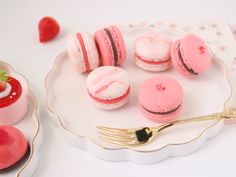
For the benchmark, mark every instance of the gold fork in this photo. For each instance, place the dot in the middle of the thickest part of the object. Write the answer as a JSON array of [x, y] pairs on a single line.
[[143, 135]]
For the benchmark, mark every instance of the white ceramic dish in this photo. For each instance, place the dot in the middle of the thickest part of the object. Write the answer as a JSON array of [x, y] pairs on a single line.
[[77, 118], [29, 125]]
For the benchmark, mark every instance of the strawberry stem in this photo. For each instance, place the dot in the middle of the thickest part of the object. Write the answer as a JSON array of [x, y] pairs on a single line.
[[4, 76]]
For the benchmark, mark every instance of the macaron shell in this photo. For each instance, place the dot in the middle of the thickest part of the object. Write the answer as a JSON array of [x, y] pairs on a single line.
[[176, 61], [153, 48], [14, 149], [75, 55], [91, 49], [160, 94], [104, 47], [195, 53]]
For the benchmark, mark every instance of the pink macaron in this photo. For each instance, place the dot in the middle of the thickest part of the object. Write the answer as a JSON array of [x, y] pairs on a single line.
[[82, 51], [111, 46], [190, 56], [152, 53], [160, 98], [108, 87]]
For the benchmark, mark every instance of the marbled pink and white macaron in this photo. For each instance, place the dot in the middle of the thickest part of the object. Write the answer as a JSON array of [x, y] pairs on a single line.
[[160, 98], [108, 87], [82, 51], [152, 52]]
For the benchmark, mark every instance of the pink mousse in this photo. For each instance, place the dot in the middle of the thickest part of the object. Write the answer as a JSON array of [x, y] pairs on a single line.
[[13, 107], [13, 146]]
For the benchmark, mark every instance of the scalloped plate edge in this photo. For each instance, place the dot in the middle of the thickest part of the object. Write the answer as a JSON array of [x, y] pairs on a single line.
[[125, 154]]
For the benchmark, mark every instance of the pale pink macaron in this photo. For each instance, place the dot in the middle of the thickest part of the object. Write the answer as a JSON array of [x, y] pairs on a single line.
[[13, 102], [160, 98], [190, 56], [82, 51], [108, 87], [152, 52], [111, 46]]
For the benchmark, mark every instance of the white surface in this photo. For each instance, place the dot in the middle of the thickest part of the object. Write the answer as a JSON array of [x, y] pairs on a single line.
[[19, 47]]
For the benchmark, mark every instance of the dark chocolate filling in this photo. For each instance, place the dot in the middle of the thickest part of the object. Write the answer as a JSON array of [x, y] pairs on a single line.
[[25, 156], [115, 54], [185, 66], [163, 113]]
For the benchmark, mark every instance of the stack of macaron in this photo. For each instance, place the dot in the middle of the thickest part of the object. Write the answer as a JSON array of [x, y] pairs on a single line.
[[160, 97], [106, 48]]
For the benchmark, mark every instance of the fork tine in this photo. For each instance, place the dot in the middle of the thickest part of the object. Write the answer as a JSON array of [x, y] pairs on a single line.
[[115, 130], [118, 136], [111, 141], [120, 143]]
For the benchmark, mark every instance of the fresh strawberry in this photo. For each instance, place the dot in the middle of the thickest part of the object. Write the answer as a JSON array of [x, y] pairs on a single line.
[[3, 80], [48, 29]]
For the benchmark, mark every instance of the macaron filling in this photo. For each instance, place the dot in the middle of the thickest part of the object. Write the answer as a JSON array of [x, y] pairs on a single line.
[[189, 69], [85, 56], [152, 62], [112, 101], [162, 113], [115, 53]]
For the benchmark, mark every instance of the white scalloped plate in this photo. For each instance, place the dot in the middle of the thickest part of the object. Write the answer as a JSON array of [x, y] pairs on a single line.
[[77, 118], [30, 126]]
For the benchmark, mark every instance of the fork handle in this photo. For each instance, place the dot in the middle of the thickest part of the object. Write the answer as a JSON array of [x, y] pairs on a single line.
[[217, 116]]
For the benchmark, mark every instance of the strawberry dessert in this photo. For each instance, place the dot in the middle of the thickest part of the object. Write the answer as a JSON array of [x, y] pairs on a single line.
[[13, 101]]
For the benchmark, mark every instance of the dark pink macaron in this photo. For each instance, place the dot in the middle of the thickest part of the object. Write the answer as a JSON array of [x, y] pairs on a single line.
[[111, 46], [190, 56], [160, 98]]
